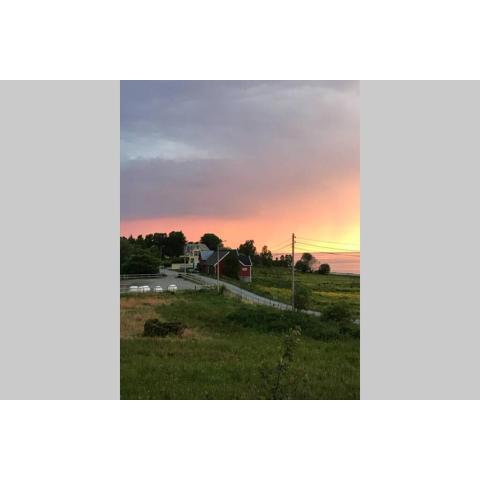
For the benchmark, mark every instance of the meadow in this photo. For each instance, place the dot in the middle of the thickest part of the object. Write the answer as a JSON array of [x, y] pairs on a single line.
[[229, 350], [276, 283]]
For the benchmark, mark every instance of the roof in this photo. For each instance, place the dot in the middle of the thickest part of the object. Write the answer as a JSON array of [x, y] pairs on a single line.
[[245, 260], [214, 258], [205, 254], [196, 246]]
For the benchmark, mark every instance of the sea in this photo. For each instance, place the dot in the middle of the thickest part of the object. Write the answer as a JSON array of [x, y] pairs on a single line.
[[339, 263]]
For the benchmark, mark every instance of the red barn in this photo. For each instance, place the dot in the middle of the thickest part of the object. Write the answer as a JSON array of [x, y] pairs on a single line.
[[212, 260]]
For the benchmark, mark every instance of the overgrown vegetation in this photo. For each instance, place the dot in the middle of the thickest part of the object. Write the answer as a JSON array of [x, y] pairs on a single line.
[[324, 290], [276, 379], [302, 297], [231, 349], [269, 320]]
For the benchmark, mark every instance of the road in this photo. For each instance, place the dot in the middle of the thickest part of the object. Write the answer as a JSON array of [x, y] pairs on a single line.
[[197, 280]]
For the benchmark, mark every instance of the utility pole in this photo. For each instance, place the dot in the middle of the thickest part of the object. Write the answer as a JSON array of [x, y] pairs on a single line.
[[218, 268], [293, 271]]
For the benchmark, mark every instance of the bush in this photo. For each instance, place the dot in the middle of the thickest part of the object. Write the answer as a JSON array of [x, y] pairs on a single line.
[[337, 312], [268, 320], [156, 328], [324, 269], [140, 262], [261, 318], [301, 297], [302, 267]]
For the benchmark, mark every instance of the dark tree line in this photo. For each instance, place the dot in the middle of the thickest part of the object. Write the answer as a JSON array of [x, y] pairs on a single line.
[[146, 254], [265, 257]]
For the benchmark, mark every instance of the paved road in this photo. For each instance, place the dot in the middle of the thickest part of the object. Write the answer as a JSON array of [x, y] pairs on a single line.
[[198, 280], [164, 282]]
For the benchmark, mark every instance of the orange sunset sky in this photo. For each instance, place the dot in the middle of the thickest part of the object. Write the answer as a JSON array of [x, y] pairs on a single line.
[[244, 160]]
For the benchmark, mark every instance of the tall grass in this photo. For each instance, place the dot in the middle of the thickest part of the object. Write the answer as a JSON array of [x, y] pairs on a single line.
[[220, 358]]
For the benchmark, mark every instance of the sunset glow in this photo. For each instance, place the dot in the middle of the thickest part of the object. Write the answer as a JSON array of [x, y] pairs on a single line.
[[244, 160]]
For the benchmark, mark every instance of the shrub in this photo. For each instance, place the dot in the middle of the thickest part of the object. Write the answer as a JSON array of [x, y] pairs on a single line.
[[301, 297], [302, 267], [261, 318], [337, 312], [156, 328], [275, 378], [324, 269], [335, 324]]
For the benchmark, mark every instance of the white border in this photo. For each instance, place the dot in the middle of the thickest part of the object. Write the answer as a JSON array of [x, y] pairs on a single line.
[[239, 440], [215, 39]]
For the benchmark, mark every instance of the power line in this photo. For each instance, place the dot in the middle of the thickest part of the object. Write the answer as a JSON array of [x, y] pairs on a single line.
[[278, 249], [287, 244], [346, 254], [330, 248], [326, 241]]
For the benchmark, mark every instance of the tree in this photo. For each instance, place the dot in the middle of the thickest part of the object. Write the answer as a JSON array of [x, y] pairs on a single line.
[[149, 240], [231, 267], [140, 241], [324, 269], [301, 297], [160, 242], [305, 264], [175, 244], [287, 261], [266, 256], [301, 266], [211, 240], [141, 261], [248, 248], [126, 248]]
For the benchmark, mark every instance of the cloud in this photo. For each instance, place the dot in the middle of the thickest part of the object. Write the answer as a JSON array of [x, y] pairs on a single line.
[[232, 148]]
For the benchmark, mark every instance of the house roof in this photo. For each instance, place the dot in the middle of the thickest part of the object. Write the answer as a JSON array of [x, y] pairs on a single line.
[[205, 254], [189, 247], [245, 260], [214, 258]]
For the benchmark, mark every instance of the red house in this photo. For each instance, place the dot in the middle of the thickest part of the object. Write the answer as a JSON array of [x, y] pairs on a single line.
[[210, 261]]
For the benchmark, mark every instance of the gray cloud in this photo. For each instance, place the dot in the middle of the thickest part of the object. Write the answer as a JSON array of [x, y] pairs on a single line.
[[225, 148]]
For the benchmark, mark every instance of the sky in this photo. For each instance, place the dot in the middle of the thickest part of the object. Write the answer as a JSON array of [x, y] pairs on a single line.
[[244, 159]]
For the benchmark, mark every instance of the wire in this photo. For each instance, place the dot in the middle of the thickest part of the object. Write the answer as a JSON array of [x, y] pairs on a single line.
[[279, 249], [287, 243], [326, 241], [350, 254], [330, 248]]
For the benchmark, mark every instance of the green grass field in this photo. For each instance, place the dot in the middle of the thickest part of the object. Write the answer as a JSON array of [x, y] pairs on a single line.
[[276, 283], [224, 353]]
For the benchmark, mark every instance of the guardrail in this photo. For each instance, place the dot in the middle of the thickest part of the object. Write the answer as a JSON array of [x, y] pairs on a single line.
[[125, 289], [142, 275]]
